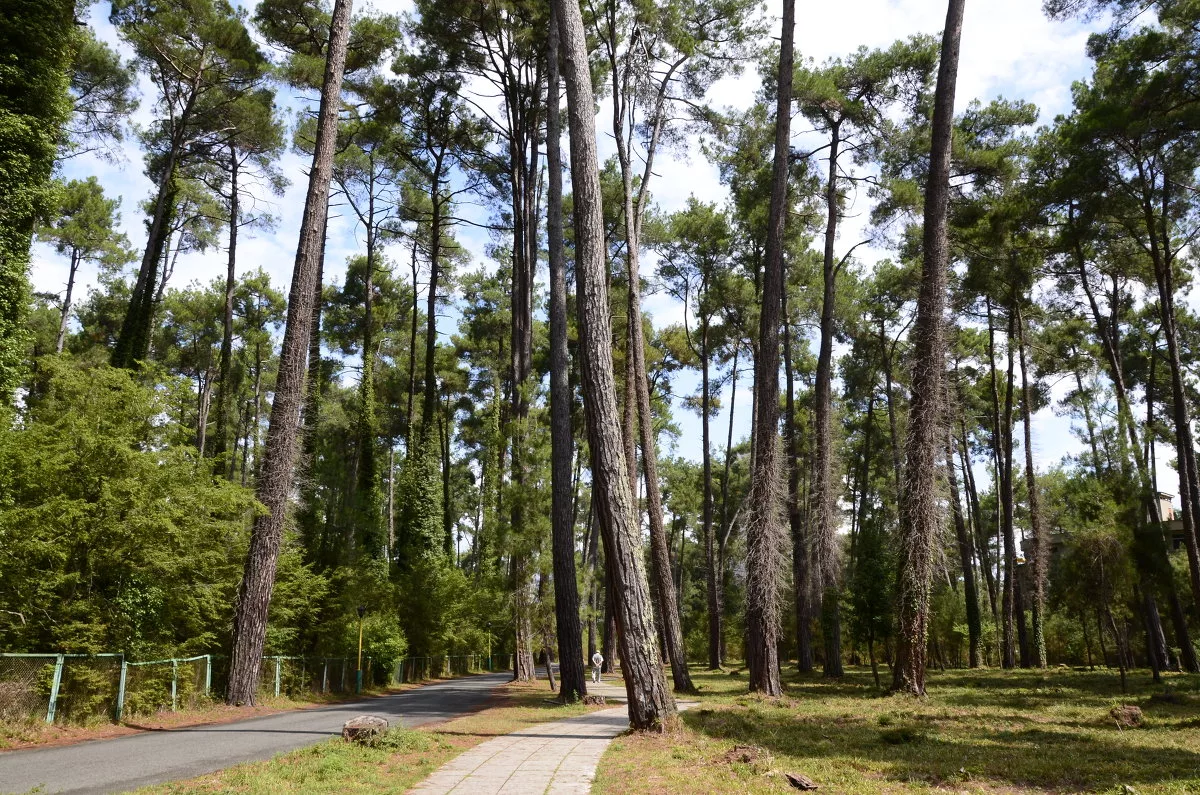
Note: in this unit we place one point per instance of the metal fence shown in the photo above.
(291, 676)
(417, 669)
(158, 685)
(79, 688)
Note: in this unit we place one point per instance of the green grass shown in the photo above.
(405, 757)
(977, 731)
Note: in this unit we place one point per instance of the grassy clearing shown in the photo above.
(978, 731)
(405, 757)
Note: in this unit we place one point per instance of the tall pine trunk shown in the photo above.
(712, 570)
(566, 591)
(224, 373)
(65, 313)
(764, 525)
(274, 484)
(650, 703)
(801, 571)
(1040, 542)
(920, 515)
(970, 585)
(823, 481)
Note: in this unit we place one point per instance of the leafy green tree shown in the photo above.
(83, 228)
(202, 60)
(102, 98)
(114, 538)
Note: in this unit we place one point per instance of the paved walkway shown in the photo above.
(556, 758)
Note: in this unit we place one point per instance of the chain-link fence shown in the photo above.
(68, 687)
(158, 685)
(25, 686)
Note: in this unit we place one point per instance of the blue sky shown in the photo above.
(1009, 49)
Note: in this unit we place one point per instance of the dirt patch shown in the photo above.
(745, 755)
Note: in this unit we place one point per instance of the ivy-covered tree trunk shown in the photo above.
(764, 525)
(650, 703)
(36, 39)
(275, 481)
(920, 515)
(566, 589)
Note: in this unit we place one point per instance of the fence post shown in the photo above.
(174, 685)
(276, 677)
(325, 675)
(207, 675)
(58, 669)
(121, 689)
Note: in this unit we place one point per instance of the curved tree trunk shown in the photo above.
(650, 703)
(920, 516)
(274, 485)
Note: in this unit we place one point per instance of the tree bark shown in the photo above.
(970, 586)
(801, 572)
(920, 516)
(1002, 450)
(274, 485)
(566, 591)
(1040, 542)
(712, 556)
(66, 307)
(826, 548)
(764, 525)
(224, 373)
(650, 703)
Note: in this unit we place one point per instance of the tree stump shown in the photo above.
(364, 730)
(1127, 716)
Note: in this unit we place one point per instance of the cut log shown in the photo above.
(801, 782)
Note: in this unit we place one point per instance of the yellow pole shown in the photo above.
(358, 675)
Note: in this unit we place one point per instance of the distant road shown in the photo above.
(153, 757)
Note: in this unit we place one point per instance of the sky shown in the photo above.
(1009, 49)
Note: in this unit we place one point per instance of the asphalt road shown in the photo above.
(153, 757)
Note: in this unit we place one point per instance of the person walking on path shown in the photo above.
(597, 664)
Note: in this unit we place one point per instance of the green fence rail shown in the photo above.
(81, 687)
